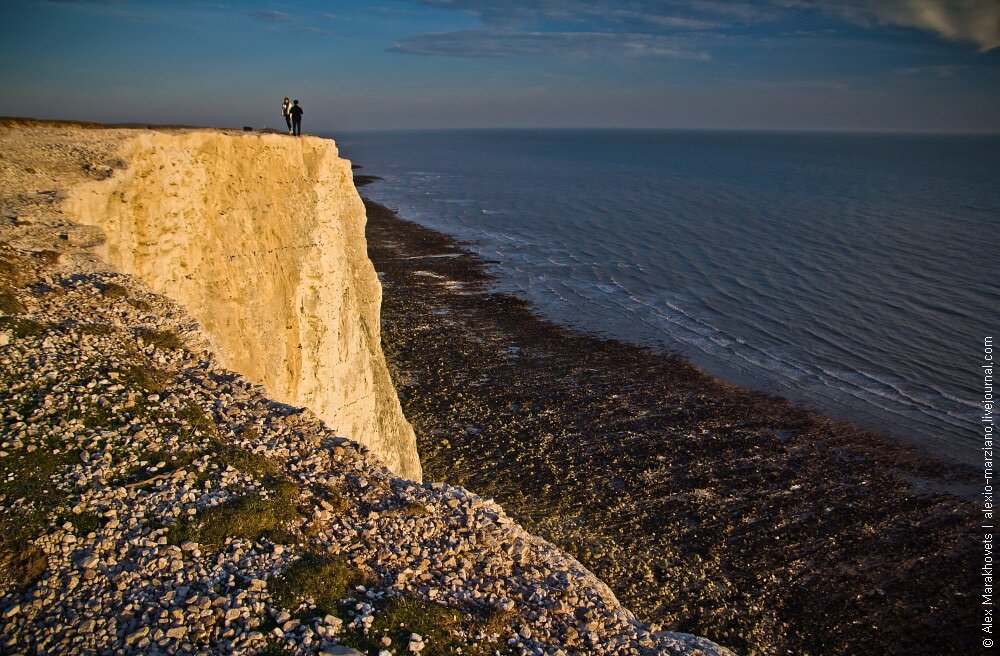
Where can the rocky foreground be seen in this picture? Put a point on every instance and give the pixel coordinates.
(153, 502)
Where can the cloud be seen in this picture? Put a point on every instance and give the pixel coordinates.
(933, 71)
(578, 28)
(270, 16)
(974, 21)
(491, 43)
(671, 14)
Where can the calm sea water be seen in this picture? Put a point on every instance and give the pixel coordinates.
(852, 273)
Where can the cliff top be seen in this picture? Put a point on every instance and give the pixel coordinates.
(153, 501)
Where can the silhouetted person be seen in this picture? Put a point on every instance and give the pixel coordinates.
(286, 106)
(296, 112)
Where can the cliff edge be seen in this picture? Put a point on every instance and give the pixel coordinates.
(261, 238)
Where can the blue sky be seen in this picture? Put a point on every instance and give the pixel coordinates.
(909, 65)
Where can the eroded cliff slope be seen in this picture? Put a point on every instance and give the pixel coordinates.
(261, 238)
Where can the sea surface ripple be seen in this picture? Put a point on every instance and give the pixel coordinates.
(849, 272)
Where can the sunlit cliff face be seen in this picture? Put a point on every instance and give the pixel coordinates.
(261, 238)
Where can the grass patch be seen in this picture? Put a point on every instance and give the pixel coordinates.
(145, 378)
(47, 257)
(9, 270)
(9, 303)
(198, 420)
(22, 327)
(324, 580)
(139, 475)
(437, 625)
(92, 415)
(414, 509)
(25, 475)
(161, 339)
(21, 563)
(274, 647)
(85, 522)
(245, 461)
(95, 328)
(114, 291)
(252, 517)
(29, 501)
(338, 502)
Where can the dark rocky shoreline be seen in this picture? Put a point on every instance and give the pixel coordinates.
(707, 508)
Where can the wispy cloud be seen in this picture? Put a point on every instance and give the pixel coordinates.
(673, 14)
(319, 31)
(932, 71)
(579, 28)
(974, 21)
(270, 16)
(478, 43)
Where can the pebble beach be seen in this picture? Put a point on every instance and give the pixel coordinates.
(705, 506)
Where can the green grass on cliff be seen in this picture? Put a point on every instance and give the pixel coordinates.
(317, 585)
(253, 517)
(29, 498)
(162, 339)
(9, 303)
(322, 581)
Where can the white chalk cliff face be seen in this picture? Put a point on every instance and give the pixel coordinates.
(261, 238)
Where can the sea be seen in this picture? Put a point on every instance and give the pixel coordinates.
(851, 273)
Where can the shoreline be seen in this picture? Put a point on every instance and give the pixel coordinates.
(706, 507)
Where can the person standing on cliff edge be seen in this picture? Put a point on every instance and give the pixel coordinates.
(296, 112)
(286, 106)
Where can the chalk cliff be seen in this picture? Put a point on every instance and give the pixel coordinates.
(261, 238)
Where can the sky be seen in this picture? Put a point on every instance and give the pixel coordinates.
(871, 65)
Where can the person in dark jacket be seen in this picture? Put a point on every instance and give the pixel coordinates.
(296, 112)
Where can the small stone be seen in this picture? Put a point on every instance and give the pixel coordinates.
(340, 650)
(90, 562)
(177, 632)
(134, 637)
